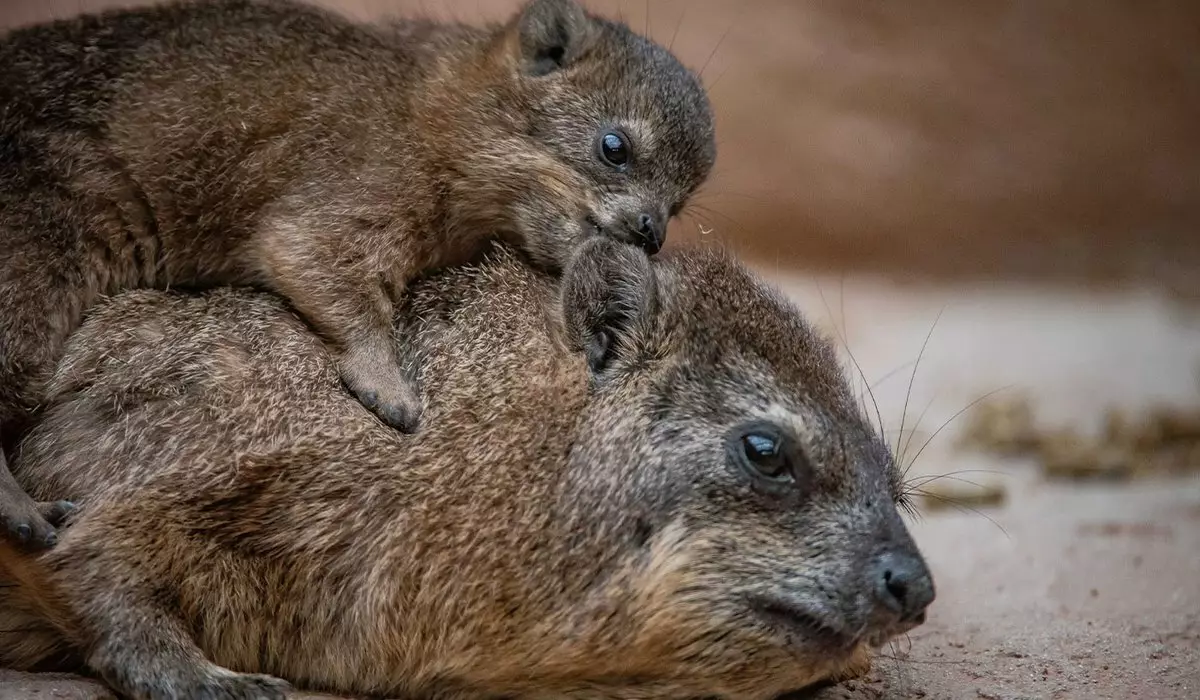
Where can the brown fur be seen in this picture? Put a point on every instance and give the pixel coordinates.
(574, 521)
(265, 143)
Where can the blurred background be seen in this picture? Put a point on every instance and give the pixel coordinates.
(1008, 190)
(1046, 139)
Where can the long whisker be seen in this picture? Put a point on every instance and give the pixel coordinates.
(714, 51)
(930, 478)
(896, 658)
(921, 661)
(913, 376)
(712, 212)
(962, 508)
(915, 428)
(713, 85)
(950, 420)
(671, 45)
(862, 375)
(915, 488)
(891, 373)
(842, 317)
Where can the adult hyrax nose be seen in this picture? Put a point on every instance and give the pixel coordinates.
(903, 584)
(651, 230)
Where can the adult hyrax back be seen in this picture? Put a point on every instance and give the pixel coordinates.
(656, 484)
(275, 144)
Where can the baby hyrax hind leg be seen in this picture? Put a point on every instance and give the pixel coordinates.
(23, 521)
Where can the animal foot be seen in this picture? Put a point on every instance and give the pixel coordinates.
(27, 524)
(240, 686)
(397, 403)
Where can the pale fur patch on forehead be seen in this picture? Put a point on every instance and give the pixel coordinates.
(641, 132)
(784, 416)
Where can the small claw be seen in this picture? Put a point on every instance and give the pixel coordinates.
(55, 512)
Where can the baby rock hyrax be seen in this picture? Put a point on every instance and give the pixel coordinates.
(650, 482)
(274, 144)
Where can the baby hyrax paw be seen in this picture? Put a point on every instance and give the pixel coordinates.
(383, 387)
(30, 525)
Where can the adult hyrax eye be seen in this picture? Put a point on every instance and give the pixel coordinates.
(614, 149)
(765, 453)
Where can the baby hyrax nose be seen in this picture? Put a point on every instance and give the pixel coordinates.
(903, 584)
(652, 229)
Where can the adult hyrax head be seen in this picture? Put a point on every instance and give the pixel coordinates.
(650, 480)
(617, 133)
(768, 502)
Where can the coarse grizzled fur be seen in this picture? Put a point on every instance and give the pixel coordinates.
(262, 142)
(576, 520)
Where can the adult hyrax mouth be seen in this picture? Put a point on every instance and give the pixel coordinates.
(801, 626)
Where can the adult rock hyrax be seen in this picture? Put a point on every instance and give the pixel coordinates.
(650, 482)
(267, 143)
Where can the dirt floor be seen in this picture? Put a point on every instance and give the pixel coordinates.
(1084, 591)
(1075, 590)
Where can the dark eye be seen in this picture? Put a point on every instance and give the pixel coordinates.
(765, 455)
(614, 148)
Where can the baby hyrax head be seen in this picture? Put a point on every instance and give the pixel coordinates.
(610, 133)
(764, 505)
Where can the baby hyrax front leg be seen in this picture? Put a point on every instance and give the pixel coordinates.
(373, 374)
(348, 298)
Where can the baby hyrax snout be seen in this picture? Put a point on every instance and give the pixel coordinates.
(641, 221)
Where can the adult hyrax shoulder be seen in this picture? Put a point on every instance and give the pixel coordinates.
(652, 482)
(269, 143)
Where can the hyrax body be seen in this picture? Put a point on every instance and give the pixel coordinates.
(655, 483)
(266, 143)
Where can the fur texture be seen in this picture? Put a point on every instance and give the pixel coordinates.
(261, 142)
(578, 518)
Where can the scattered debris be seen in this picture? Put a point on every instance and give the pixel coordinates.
(1164, 439)
(1116, 529)
(1003, 425)
(1066, 454)
(962, 494)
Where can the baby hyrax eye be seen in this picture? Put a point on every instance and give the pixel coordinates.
(614, 149)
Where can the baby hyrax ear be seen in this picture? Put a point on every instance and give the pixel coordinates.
(551, 34)
(609, 297)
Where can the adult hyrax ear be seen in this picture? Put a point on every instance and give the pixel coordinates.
(609, 298)
(551, 34)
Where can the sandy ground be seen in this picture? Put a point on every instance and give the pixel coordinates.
(1065, 591)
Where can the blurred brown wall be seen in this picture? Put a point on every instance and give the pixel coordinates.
(1035, 138)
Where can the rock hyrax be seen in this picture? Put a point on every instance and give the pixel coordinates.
(650, 482)
(266, 143)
